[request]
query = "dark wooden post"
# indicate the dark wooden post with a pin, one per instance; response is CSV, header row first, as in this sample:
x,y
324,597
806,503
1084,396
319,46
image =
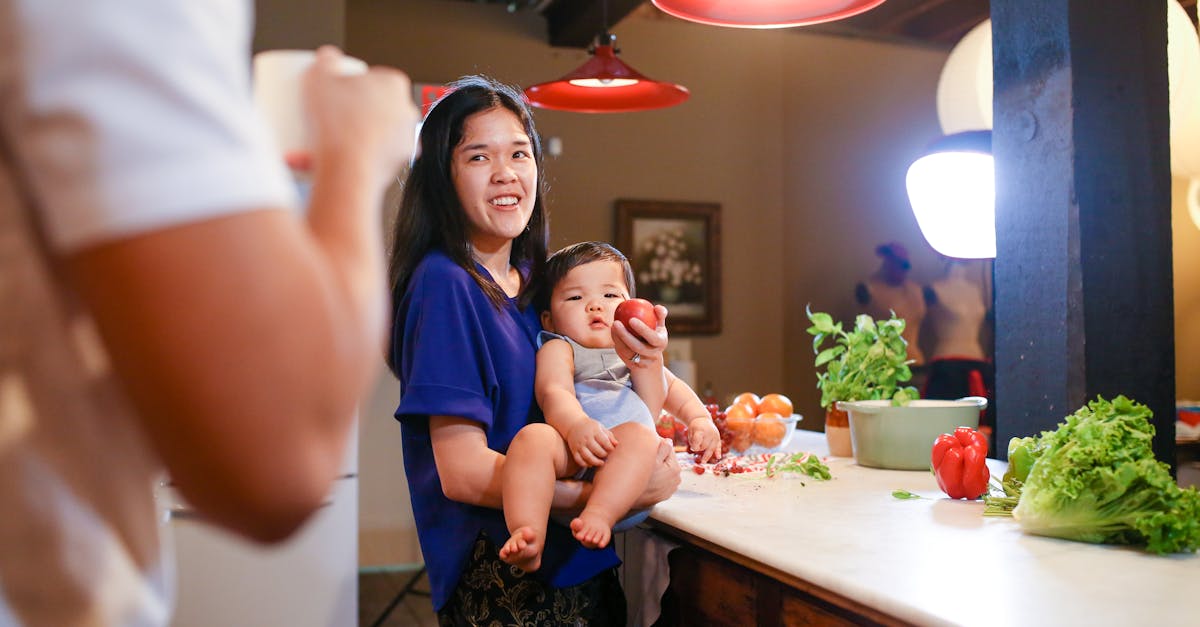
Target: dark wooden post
x,y
1084,299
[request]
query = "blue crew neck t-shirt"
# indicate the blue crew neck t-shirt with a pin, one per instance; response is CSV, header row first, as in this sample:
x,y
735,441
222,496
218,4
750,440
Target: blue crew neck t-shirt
x,y
459,355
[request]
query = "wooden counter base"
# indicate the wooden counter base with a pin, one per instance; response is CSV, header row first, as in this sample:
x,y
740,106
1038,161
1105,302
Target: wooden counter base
x,y
712,586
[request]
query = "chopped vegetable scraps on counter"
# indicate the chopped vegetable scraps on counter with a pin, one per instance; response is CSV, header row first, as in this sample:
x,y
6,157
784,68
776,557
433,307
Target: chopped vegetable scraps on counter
x,y
770,464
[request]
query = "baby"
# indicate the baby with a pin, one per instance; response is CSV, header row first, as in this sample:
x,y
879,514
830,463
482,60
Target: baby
x,y
599,408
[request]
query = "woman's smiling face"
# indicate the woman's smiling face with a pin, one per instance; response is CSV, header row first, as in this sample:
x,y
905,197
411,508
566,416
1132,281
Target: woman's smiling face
x,y
495,176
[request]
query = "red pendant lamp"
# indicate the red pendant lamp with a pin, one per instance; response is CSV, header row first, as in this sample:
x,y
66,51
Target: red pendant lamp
x,y
764,13
605,84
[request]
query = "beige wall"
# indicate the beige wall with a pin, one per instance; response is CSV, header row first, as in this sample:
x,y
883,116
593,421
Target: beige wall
x,y
304,24
856,120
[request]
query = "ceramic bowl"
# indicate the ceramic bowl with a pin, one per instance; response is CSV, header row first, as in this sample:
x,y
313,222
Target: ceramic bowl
x,y
901,438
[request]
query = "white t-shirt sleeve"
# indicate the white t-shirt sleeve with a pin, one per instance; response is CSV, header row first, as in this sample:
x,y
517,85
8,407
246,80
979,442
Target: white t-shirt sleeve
x,y
138,116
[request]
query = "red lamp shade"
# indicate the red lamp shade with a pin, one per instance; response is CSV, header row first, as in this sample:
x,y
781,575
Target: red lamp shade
x,y
764,13
605,85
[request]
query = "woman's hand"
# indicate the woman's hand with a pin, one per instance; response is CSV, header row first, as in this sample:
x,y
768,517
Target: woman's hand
x,y
640,346
665,478
703,438
590,443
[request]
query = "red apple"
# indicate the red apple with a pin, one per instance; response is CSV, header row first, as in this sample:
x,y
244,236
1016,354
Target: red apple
x,y
639,308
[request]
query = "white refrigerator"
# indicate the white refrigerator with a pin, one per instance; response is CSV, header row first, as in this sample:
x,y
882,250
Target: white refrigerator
x,y
311,580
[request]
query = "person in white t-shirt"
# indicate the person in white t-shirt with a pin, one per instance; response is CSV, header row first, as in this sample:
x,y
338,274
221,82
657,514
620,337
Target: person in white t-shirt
x,y
166,307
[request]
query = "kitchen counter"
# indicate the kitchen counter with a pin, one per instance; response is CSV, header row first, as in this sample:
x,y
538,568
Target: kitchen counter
x,y
850,545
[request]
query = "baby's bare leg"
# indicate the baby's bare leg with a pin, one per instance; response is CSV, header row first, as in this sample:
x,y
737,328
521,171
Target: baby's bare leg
x,y
617,484
536,457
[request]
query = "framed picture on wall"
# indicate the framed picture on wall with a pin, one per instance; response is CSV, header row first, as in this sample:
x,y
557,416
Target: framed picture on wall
x,y
675,250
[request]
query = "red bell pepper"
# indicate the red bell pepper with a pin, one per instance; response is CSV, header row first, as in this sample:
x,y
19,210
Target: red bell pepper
x,y
960,463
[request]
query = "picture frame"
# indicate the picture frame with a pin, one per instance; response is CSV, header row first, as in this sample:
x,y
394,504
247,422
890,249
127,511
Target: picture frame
x,y
675,251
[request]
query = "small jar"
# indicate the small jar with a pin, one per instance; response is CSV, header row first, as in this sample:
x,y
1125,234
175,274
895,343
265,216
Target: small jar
x,y
837,432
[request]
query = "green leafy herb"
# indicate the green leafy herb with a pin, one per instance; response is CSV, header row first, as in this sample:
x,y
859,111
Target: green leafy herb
x,y
1095,479
869,362
802,463
905,495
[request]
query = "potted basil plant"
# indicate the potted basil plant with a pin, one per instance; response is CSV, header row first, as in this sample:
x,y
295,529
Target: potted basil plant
x,y
868,362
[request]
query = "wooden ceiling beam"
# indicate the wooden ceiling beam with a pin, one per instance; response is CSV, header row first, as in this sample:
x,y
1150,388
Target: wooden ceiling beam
x,y
895,24
575,23
949,22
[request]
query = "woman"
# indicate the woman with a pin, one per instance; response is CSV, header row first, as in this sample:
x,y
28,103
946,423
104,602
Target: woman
x,y
468,251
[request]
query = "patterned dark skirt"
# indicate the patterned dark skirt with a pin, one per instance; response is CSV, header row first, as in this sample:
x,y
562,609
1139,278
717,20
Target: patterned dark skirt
x,y
494,593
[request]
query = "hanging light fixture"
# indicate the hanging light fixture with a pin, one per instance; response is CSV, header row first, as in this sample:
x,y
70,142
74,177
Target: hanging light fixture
x,y
764,13
605,84
952,189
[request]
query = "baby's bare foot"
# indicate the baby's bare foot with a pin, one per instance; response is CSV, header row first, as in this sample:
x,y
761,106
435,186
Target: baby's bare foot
x,y
591,531
523,549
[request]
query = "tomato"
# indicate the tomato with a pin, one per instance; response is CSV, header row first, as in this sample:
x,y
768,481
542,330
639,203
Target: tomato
x,y
639,308
680,433
665,426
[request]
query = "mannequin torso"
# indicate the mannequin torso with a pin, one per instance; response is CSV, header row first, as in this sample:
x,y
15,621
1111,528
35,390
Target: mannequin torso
x,y
956,310
881,297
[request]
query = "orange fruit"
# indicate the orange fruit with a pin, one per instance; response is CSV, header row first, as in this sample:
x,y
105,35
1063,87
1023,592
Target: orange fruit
x,y
736,411
748,398
769,429
777,403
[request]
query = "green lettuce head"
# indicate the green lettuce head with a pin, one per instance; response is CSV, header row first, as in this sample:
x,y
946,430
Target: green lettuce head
x,y
1096,480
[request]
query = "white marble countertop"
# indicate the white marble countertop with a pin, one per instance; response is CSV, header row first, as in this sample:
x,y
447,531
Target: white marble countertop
x,y
927,561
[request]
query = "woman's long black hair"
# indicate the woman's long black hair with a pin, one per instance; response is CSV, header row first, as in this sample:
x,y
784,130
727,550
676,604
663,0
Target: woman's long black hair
x,y
431,215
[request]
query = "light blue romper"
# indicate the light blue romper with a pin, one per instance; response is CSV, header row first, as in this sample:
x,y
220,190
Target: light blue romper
x,y
604,388
603,385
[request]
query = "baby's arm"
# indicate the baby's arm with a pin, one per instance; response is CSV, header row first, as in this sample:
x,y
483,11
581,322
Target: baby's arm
x,y
554,386
683,402
650,383
647,373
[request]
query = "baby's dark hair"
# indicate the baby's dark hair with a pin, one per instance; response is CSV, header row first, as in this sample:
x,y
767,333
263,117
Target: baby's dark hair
x,y
573,256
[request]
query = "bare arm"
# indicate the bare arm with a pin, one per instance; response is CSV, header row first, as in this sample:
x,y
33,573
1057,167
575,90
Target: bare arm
x,y
650,382
245,341
682,401
470,471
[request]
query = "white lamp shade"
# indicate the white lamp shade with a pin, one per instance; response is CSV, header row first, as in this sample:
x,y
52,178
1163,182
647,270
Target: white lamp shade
x,y
953,196
1183,71
964,93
